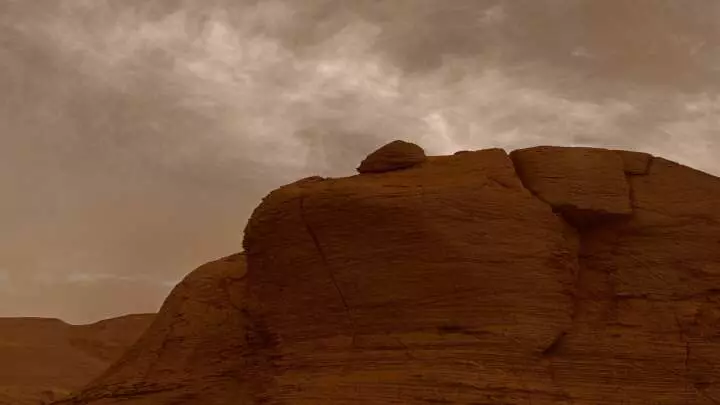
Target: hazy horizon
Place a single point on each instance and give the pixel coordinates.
(138, 136)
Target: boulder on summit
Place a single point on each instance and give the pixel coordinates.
(395, 155)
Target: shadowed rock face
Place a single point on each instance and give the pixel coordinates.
(43, 359)
(548, 276)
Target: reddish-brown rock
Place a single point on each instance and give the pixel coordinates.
(550, 276)
(196, 351)
(585, 185)
(395, 155)
(44, 359)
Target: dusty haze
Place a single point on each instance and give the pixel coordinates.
(137, 136)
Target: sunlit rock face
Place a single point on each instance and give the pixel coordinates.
(549, 275)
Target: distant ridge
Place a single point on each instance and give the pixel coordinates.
(42, 359)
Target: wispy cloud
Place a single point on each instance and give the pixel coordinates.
(89, 278)
(271, 106)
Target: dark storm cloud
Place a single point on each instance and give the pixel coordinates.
(137, 136)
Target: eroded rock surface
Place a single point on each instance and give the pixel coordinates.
(196, 351)
(547, 276)
(43, 359)
(585, 185)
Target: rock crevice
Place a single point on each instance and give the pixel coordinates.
(318, 247)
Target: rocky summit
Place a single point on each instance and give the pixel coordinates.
(550, 275)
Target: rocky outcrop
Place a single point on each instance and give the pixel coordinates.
(547, 276)
(196, 351)
(44, 359)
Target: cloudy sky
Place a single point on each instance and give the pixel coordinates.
(136, 136)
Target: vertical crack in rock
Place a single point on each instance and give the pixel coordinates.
(323, 258)
(584, 287)
(553, 347)
(555, 344)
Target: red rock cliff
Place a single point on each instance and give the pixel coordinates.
(547, 276)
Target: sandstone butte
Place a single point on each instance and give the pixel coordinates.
(43, 359)
(550, 275)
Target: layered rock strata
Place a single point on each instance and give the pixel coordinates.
(550, 275)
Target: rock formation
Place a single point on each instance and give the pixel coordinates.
(394, 156)
(194, 350)
(44, 359)
(551, 275)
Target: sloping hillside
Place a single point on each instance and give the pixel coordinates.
(43, 359)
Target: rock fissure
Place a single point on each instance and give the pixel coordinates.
(573, 294)
(326, 265)
(553, 347)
